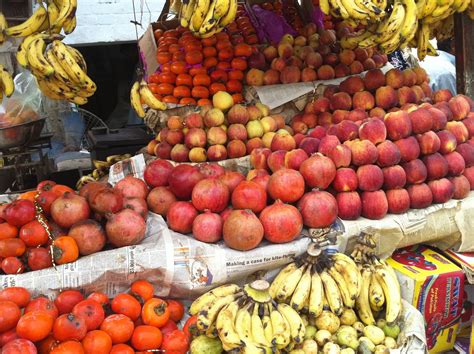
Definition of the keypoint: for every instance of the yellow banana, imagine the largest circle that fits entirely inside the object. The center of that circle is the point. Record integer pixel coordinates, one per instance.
(68, 62)
(53, 13)
(280, 279)
(200, 11)
(267, 326)
(302, 291)
(30, 26)
(59, 72)
(258, 332)
(391, 290)
(78, 58)
(225, 327)
(351, 275)
(388, 29)
(209, 22)
(332, 292)
(423, 39)
(376, 296)
(243, 323)
(6, 82)
(230, 15)
(342, 286)
(207, 316)
(324, 6)
(149, 99)
(297, 327)
(3, 26)
(204, 299)
(428, 9)
(316, 295)
(281, 329)
(362, 303)
(352, 41)
(70, 25)
(67, 9)
(410, 22)
(36, 58)
(290, 285)
(354, 10)
(186, 12)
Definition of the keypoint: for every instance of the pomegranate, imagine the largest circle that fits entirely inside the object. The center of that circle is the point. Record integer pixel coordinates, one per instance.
(262, 181)
(318, 208)
(211, 170)
(56, 230)
(89, 236)
(242, 230)
(45, 199)
(210, 193)
(182, 180)
(137, 204)
(249, 195)
(19, 212)
(207, 227)
(226, 213)
(157, 173)
(106, 200)
(45, 185)
(181, 216)
(281, 222)
(318, 171)
(231, 179)
(132, 187)
(69, 209)
(91, 188)
(125, 228)
(287, 185)
(160, 199)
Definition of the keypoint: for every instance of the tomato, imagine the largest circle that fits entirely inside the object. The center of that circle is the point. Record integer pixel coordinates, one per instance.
(33, 234)
(118, 327)
(19, 346)
(209, 52)
(243, 50)
(169, 326)
(67, 299)
(209, 42)
(200, 92)
(219, 76)
(234, 86)
(45, 185)
(146, 337)
(65, 250)
(68, 347)
(91, 311)
(101, 298)
(223, 65)
(237, 98)
(167, 78)
(225, 54)
(60, 189)
(12, 265)
(181, 91)
(42, 303)
(176, 310)
(8, 336)
(155, 312)
(96, 342)
(216, 87)
(170, 99)
(12, 247)
(190, 327)
(39, 258)
(201, 80)
(163, 57)
(178, 67)
(122, 349)
(194, 57)
(175, 342)
(35, 325)
(127, 305)
(16, 294)
(8, 231)
(236, 75)
(10, 314)
(210, 62)
(184, 80)
(187, 101)
(69, 327)
(239, 64)
(165, 89)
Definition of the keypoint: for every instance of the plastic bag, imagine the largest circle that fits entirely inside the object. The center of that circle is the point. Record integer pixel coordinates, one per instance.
(24, 104)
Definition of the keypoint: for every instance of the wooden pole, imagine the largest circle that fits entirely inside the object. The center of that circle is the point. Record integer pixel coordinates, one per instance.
(464, 51)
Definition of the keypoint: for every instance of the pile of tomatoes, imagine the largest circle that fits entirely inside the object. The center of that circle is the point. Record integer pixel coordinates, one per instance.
(133, 322)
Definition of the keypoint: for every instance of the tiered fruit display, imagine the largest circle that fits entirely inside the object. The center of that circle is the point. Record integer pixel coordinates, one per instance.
(131, 322)
(210, 134)
(289, 12)
(309, 57)
(59, 69)
(69, 224)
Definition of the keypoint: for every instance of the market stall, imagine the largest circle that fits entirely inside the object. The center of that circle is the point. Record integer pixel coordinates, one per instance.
(298, 192)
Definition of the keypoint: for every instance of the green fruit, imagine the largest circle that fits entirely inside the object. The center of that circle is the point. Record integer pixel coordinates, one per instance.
(322, 337)
(345, 338)
(391, 331)
(390, 343)
(206, 345)
(381, 323)
(348, 317)
(310, 332)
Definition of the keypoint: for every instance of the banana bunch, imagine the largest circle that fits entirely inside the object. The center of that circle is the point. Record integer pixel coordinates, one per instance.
(6, 83)
(207, 17)
(59, 69)
(56, 16)
(3, 27)
(361, 11)
(246, 320)
(140, 92)
(101, 169)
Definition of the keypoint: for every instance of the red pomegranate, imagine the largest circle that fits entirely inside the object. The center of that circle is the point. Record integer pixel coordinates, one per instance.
(106, 200)
(45, 185)
(318, 171)
(182, 180)
(157, 173)
(160, 199)
(231, 179)
(224, 214)
(287, 185)
(318, 208)
(69, 209)
(281, 222)
(181, 216)
(262, 181)
(211, 170)
(45, 199)
(207, 227)
(137, 204)
(242, 230)
(89, 236)
(131, 187)
(125, 228)
(210, 193)
(249, 195)
(91, 188)
(19, 212)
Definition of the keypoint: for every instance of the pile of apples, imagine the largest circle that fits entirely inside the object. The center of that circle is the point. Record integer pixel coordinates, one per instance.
(308, 57)
(218, 132)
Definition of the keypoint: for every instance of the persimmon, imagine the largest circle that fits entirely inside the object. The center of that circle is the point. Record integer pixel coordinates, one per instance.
(169, 326)
(234, 86)
(222, 36)
(12, 247)
(204, 102)
(46, 345)
(16, 294)
(68, 347)
(19, 346)
(224, 44)
(171, 33)
(194, 57)
(91, 311)
(33, 234)
(236, 75)
(193, 46)
(176, 310)
(175, 342)
(223, 65)
(237, 39)
(201, 80)
(219, 76)
(12, 265)
(210, 62)
(69, 327)
(239, 64)
(101, 298)
(127, 305)
(96, 342)
(153, 88)
(65, 250)
(42, 303)
(157, 33)
(162, 48)
(184, 80)
(168, 41)
(163, 57)
(251, 39)
(216, 87)
(181, 91)
(243, 50)
(118, 327)
(170, 99)
(67, 299)
(35, 325)
(187, 101)
(173, 48)
(30, 195)
(122, 349)
(209, 52)
(166, 68)
(225, 54)
(178, 56)
(190, 327)
(60, 189)
(166, 78)
(158, 96)
(8, 231)
(165, 89)
(209, 42)
(178, 67)
(200, 92)
(197, 70)
(10, 315)
(155, 312)
(143, 288)
(39, 258)
(146, 338)
(237, 98)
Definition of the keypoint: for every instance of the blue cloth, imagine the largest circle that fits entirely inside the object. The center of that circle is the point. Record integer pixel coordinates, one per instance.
(441, 71)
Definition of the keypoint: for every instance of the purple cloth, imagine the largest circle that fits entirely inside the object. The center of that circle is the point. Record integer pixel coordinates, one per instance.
(275, 26)
(318, 17)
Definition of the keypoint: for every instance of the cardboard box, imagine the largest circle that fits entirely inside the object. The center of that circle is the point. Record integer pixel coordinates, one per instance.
(434, 285)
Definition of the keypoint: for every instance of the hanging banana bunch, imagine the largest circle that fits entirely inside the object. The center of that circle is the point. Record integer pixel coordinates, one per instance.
(140, 93)
(207, 17)
(6, 83)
